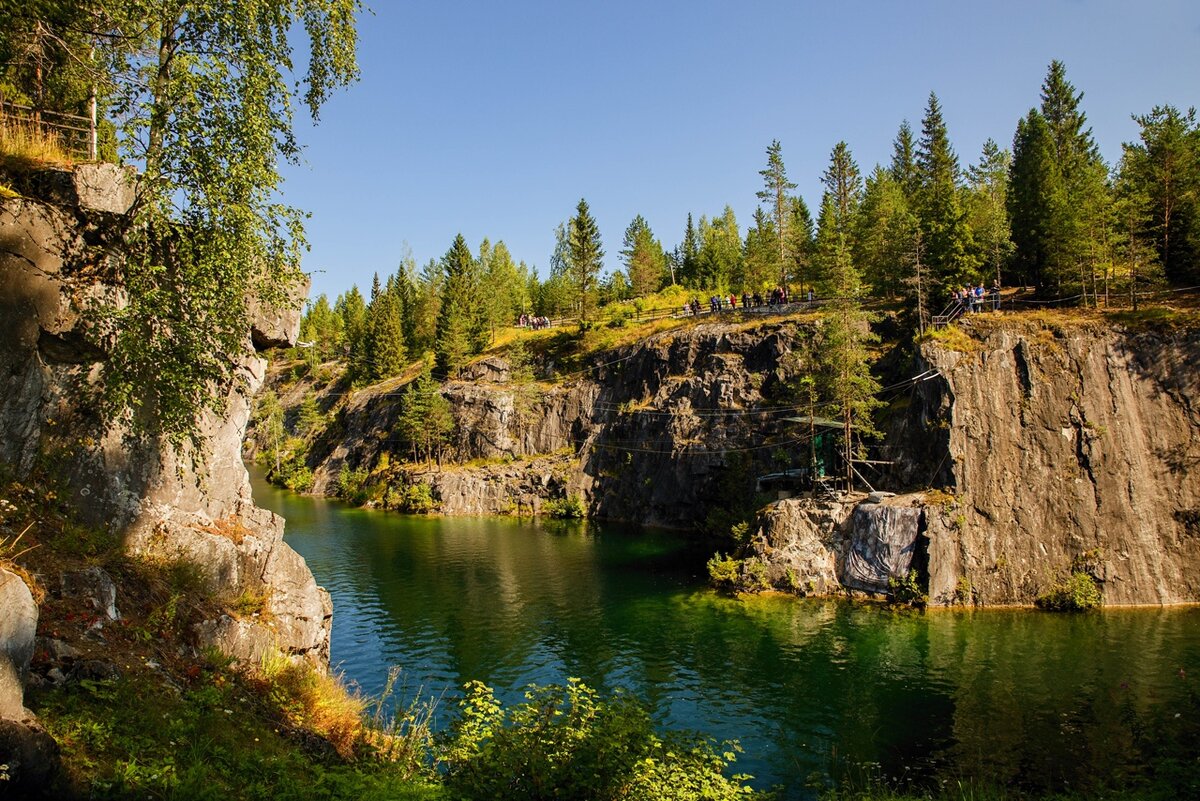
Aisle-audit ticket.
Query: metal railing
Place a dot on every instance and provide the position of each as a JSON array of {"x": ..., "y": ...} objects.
[{"x": 76, "y": 134}]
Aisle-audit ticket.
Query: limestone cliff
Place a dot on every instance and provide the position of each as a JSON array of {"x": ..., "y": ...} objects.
[{"x": 55, "y": 250}]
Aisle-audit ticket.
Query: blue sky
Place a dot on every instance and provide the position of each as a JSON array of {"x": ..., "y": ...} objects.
[{"x": 494, "y": 118}]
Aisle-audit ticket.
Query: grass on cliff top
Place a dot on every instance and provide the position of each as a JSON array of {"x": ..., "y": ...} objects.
[{"x": 24, "y": 147}]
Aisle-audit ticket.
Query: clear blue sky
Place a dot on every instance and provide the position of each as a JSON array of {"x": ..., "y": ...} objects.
[{"x": 494, "y": 118}]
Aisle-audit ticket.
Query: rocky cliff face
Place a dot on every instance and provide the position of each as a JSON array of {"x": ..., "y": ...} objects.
[
  {"x": 166, "y": 505},
  {"x": 645, "y": 434},
  {"x": 1067, "y": 443},
  {"x": 1060, "y": 447}
]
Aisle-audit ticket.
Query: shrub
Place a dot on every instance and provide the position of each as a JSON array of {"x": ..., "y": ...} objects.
[
  {"x": 724, "y": 572},
  {"x": 570, "y": 507},
  {"x": 352, "y": 485},
  {"x": 1077, "y": 593},
  {"x": 907, "y": 590},
  {"x": 564, "y": 742}
]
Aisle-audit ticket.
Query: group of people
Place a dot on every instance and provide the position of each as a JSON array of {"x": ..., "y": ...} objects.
[
  {"x": 974, "y": 299},
  {"x": 716, "y": 303},
  {"x": 535, "y": 323}
]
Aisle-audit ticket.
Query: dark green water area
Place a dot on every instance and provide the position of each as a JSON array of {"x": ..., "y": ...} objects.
[{"x": 816, "y": 691}]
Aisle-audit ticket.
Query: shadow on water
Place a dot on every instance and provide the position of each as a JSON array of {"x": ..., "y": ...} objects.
[{"x": 810, "y": 688}]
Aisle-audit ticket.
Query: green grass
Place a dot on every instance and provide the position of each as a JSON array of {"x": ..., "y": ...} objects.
[{"x": 138, "y": 738}]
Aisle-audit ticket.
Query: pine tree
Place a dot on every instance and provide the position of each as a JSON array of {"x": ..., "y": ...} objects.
[
  {"x": 387, "y": 355},
  {"x": 947, "y": 240},
  {"x": 452, "y": 339},
  {"x": 586, "y": 256},
  {"x": 1163, "y": 169},
  {"x": 987, "y": 208},
  {"x": 845, "y": 330},
  {"x": 643, "y": 257},
  {"x": 775, "y": 193}
]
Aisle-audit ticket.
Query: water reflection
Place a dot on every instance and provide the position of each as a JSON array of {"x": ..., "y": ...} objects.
[{"x": 1013, "y": 696}]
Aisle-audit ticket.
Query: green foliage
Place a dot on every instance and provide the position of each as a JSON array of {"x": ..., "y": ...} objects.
[
  {"x": 458, "y": 324},
  {"x": 426, "y": 421},
  {"x": 643, "y": 256},
  {"x": 414, "y": 499},
  {"x": 565, "y": 742},
  {"x": 1078, "y": 593},
  {"x": 570, "y": 507},
  {"x": 725, "y": 572},
  {"x": 585, "y": 257},
  {"x": 205, "y": 97},
  {"x": 907, "y": 590},
  {"x": 352, "y": 485}
]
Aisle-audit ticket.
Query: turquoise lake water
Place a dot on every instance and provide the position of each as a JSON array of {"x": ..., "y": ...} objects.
[{"x": 810, "y": 688}]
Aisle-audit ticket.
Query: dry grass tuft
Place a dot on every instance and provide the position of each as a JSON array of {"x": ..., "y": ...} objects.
[
  {"x": 23, "y": 144},
  {"x": 312, "y": 700}
]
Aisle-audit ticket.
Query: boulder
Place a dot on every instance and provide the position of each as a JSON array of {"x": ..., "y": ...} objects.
[
  {"x": 18, "y": 630},
  {"x": 30, "y": 758}
]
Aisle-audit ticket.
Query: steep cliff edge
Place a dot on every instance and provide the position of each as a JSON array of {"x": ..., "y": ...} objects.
[
  {"x": 164, "y": 505},
  {"x": 1056, "y": 443},
  {"x": 1065, "y": 442},
  {"x": 644, "y": 433}
]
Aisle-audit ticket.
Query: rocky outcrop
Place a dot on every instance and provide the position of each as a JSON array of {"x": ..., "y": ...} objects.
[
  {"x": 59, "y": 247},
  {"x": 1057, "y": 448},
  {"x": 18, "y": 627},
  {"x": 1077, "y": 442},
  {"x": 29, "y": 755},
  {"x": 652, "y": 428}
]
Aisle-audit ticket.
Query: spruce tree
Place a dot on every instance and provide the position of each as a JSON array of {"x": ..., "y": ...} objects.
[
  {"x": 1060, "y": 201},
  {"x": 586, "y": 255},
  {"x": 904, "y": 162},
  {"x": 452, "y": 339},
  {"x": 938, "y": 211},
  {"x": 837, "y": 221},
  {"x": 775, "y": 194}
]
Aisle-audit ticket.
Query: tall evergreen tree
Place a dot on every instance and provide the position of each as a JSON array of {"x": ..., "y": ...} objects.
[
  {"x": 452, "y": 340},
  {"x": 904, "y": 162},
  {"x": 687, "y": 255},
  {"x": 801, "y": 235},
  {"x": 1060, "y": 201},
  {"x": 987, "y": 208},
  {"x": 760, "y": 255},
  {"x": 884, "y": 235},
  {"x": 1163, "y": 168},
  {"x": 643, "y": 257},
  {"x": 720, "y": 256},
  {"x": 586, "y": 255},
  {"x": 939, "y": 214},
  {"x": 775, "y": 194},
  {"x": 837, "y": 222}
]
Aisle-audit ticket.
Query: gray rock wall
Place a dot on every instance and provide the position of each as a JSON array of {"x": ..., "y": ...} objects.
[
  {"x": 166, "y": 504},
  {"x": 1069, "y": 444}
]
